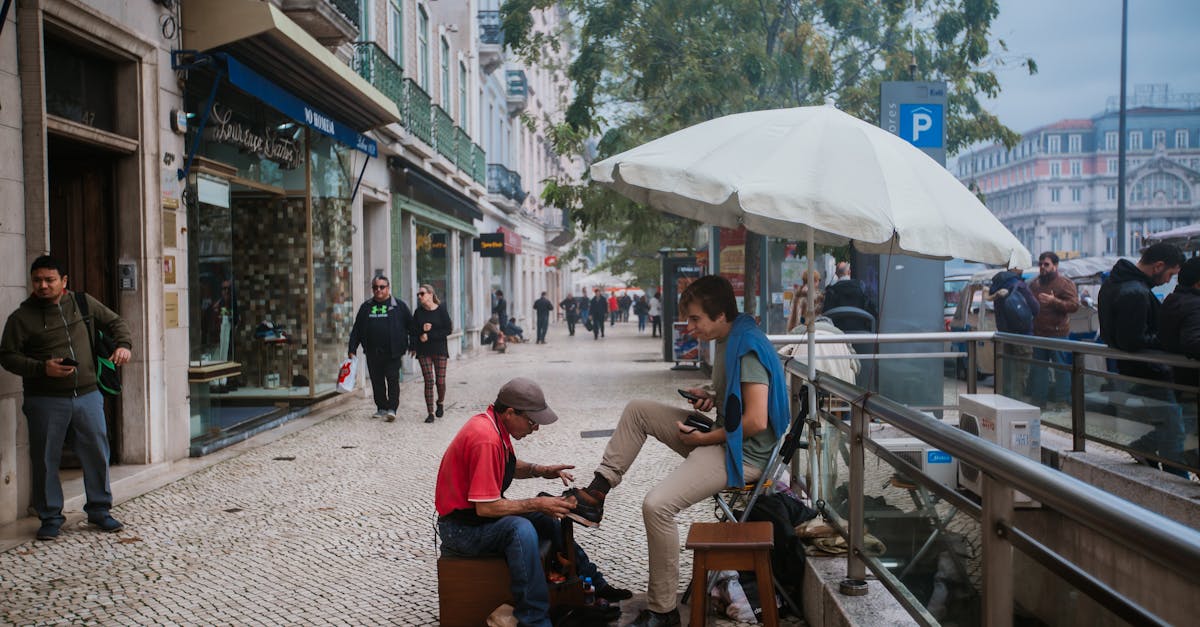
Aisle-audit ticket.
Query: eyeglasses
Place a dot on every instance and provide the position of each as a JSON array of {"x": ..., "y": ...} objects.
[
  {"x": 420, "y": 294},
  {"x": 379, "y": 287},
  {"x": 532, "y": 424}
]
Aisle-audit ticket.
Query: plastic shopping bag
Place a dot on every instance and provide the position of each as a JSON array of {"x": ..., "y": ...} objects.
[{"x": 347, "y": 374}]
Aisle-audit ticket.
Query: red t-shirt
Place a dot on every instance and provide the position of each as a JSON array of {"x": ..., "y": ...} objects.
[{"x": 472, "y": 469}]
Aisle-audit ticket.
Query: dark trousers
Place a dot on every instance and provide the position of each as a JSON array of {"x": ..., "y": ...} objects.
[
  {"x": 50, "y": 418},
  {"x": 385, "y": 380},
  {"x": 571, "y": 320},
  {"x": 542, "y": 325},
  {"x": 655, "y": 326},
  {"x": 597, "y": 327}
]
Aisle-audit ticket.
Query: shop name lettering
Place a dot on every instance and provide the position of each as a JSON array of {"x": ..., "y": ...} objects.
[
  {"x": 486, "y": 245},
  {"x": 318, "y": 121},
  {"x": 267, "y": 145}
]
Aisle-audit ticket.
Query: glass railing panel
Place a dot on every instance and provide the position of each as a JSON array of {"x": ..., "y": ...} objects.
[
  {"x": 1041, "y": 597},
  {"x": 1148, "y": 419}
]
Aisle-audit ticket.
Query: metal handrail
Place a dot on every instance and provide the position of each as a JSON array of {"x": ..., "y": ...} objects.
[{"x": 1167, "y": 542}]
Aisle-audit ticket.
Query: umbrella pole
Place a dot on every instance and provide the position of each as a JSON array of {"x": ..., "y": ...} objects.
[{"x": 814, "y": 487}]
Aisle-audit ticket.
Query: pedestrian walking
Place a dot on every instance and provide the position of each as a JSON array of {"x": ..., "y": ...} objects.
[
  {"x": 641, "y": 309},
  {"x": 654, "y": 310},
  {"x": 599, "y": 312},
  {"x": 542, "y": 307},
  {"x": 584, "y": 305},
  {"x": 614, "y": 309},
  {"x": 570, "y": 307},
  {"x": 382, "y": 328},
  {"x": 1057, "y": 300},
  {"x": 48, "y": 341},
  {"x": 624, "y": 302},
  {"x": 431, "y": 326}
]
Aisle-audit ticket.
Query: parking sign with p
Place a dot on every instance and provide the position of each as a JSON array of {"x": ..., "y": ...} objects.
[{"x": 921, "y": 125}]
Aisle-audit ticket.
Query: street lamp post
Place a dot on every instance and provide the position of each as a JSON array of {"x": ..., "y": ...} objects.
[{"x": 1121, "y": 139}]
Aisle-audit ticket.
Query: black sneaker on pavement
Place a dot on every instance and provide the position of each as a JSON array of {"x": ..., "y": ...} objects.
[
  {"x": 429, "y": 419},
  {"x": 48, "y": 531},
  {"x": 613, "y": 594},
  {"x": 589, "y": 506},
  {"x": 106, "y": 523},
  {"x": 650, "y": 618},
  {"x": 441, "y": 411}
]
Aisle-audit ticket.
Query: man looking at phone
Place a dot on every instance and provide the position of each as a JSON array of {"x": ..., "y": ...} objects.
[
  {"x": 46, "y": 342},
  {"x": 752, "y": 414}
]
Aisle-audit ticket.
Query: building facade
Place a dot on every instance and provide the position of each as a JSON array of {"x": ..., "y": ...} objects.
[
  {"x": 1057, "y": 188},
  {"x": 228, "y": 175}
]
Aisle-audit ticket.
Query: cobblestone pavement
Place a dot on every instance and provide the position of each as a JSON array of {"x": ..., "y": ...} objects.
[{"x": 334, "y": 524}]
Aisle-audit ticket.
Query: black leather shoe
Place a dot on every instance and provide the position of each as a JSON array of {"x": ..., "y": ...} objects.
[
  {"x": 589, "y": 506},
  {"x": 440, "y": 411},
  {"x": 612, "y": 594},
  {"x": 648, "y": 618},
  {"x": 48, "y": 531},
  {"x": 106, "y": 523},
  {"x": 429, "y": 419}
]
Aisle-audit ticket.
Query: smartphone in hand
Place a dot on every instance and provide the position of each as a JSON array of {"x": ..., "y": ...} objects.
[
  {"x": 688, "y": 395},
  {"x": 67, "y": 361}
]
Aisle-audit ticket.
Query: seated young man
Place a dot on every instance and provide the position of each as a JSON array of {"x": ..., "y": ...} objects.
[
  {"x": 752, "y": 414},
  {"x": 474, "y": 518}
]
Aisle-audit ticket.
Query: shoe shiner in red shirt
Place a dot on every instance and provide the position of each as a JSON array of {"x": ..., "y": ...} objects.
[{"x": 474, "y": 518}]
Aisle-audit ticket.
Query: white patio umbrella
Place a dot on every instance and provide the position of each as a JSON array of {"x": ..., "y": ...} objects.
[{"x": 818, "y": 174}]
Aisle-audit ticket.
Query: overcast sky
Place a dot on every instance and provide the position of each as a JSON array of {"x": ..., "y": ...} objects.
[{"x": 1077, "y": 46}]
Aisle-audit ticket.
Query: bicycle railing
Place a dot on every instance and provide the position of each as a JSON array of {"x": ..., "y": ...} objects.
[{"x": 1169, "y": 544}]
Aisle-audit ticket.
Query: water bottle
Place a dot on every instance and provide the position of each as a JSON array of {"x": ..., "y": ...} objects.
[{"x": 589, "y": 592}]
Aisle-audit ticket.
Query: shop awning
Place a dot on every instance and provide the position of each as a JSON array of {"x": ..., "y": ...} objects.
[{"x": 271, "y": 44}]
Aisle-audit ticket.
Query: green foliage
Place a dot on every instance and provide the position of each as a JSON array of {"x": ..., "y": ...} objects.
[{"x": 645, "y": 68}]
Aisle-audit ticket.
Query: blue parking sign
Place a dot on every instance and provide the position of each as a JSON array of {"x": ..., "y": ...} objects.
[{"x": 921, "y": 125}]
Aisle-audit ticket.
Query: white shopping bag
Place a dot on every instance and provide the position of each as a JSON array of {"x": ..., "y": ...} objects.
[{"x": 347, "y": 375}]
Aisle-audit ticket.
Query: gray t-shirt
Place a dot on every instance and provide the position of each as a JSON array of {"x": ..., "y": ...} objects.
[{"x": 756, "y": 451}]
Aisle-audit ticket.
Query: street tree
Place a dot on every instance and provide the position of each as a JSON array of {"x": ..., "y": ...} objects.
[{"x": 645, "y": 68}]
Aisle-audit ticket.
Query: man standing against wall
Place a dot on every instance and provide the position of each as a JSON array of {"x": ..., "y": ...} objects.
[
  {"x": 1057, "y": 300},
  {"x": 382, "y": 328},
  {"x": 47, "y": 341},
  {"x": 500, "y": 309}
]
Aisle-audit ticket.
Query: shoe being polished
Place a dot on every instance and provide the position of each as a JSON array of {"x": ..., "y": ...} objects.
[
  {"x": 613, "y": 594},
  {"x": 650, "y": 618},
  {"x": 589, "y": 506}
]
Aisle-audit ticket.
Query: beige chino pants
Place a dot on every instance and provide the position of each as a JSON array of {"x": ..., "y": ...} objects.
[{"x": 701, "y": 475}]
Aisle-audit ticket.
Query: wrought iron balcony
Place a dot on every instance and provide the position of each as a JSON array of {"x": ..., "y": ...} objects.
[
  {"x": 518, "y": 91},
  {"x": 491, "y": 41},
  {"x": 331, "y": 22},
  {"x": 375, "y": 65},
  {"x": 505, "y": 183},
  {"x": 462, "y": 150},
  {"x": 478, "y": 164},
  {"x": 443, "y": 133},
  {"x": 418, "y": 111}
]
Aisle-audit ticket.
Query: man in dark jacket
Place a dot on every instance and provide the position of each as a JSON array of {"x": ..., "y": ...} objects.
[
  {"x": 570, "y": 307},
  {"x": 500, "y": 309},
  {"x": 1179, "y": 331},
  {"x": 1015, "y": 310},
  {"x": 1129, "y": 322},
  {"x": 542, "y": 307},
  {"x": 47, "y": 342},
  {"x": 846, "y": 291},
  {"x": 598, "y": 311},
  {"x": 382, "y": 327},
  {"x": 1057, "y": 300}
]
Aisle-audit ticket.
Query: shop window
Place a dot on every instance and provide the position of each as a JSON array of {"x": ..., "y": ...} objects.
[{"x": 432, "y": 263}]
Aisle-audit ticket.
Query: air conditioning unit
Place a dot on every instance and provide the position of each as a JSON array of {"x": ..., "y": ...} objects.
[
  {"x": 1004, "y": 422},
  {"x": 935, "y": 464}
]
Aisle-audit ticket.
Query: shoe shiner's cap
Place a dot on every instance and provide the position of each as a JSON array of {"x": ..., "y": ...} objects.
[{"x": 526, "y": 397}]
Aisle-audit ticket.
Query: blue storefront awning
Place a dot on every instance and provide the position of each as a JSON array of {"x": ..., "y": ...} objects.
[{"x": 288, "y": 104}]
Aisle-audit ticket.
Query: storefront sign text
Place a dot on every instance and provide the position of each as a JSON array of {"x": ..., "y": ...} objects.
[{"x": 224, "y": 129}]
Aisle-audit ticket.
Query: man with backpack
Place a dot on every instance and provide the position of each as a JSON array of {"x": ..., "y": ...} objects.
[{"x": 1015, "y": 309}]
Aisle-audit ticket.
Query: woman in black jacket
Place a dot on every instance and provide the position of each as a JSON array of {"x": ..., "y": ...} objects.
[{"x": 431, "y": 327}]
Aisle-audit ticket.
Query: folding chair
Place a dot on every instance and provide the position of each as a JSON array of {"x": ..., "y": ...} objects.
[{"x": 727, "y": 499}]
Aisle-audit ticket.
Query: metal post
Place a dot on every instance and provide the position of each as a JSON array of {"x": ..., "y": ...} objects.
[
  {"x": 1121, "y": 135},
  {"x": 972, "y": 367},
  {"x": 855, "y": 583},
  {"x": 994, "y": 522},
  {"x": 1078, "y": 427},
  {"x": 998, "y": 377}
]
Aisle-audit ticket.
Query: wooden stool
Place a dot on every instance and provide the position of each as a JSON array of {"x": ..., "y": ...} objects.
[{"x": 732, "y": 546}]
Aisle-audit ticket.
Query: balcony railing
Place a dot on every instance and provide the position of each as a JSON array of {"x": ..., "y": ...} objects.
[
  {"x": 478, "y": 164},
  {"x": 349, "y": 10},
  {"x": 504, "y": 182},
  {"x": 375, "y": 65},
  {"x": 417, "y": 111},
  {"x": 489, "y": 28},
  {"x": 518, "y": 86},
  {"x": 443, "y": 133},
  {"x": 462, "y": 150}
]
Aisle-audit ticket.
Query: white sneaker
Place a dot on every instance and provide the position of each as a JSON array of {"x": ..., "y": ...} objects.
[
  {"x": 390, "y": 416},
  {"x": 379, "y": 413}
]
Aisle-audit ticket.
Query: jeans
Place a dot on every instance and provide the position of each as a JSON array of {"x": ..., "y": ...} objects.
[
  {"x": 1167, "y": 418},
  {"x": 516, "y": 538},
  {"x": 597, "y": 327},
  {"x": 1039, "y": 377},
  {"x": 50, "y": 418},
  {"x": 543, "y": 324},
  {"x": 641, "y": 322},
  {"x": 385, "y": 380}
]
